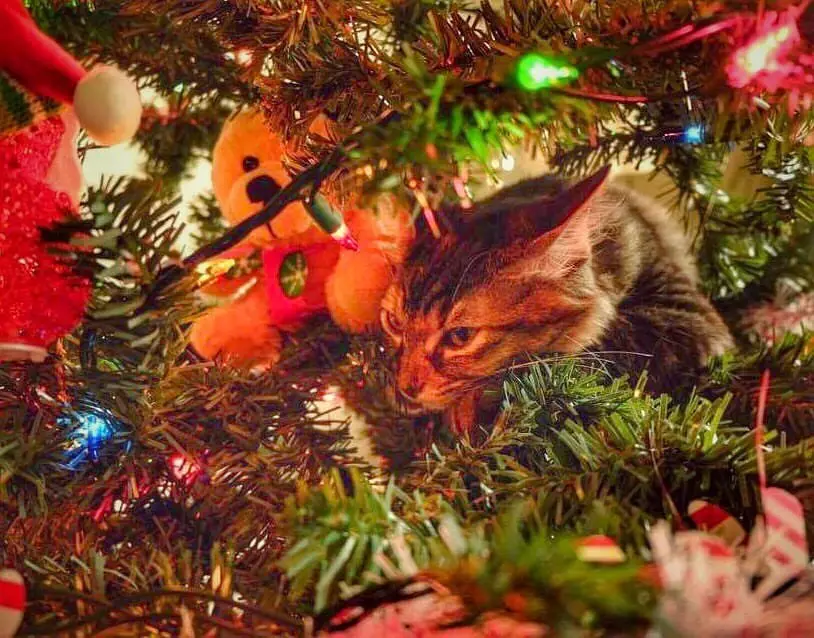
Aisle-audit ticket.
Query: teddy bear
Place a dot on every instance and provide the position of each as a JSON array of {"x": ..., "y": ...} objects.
[{"x": 290, "y": 269}]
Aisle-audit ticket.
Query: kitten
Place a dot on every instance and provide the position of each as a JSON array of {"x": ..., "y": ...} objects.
[{"x": 541, "y": 268}]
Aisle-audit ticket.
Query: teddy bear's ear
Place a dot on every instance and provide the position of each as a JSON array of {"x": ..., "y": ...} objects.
[{"x": 245, "y": 143}]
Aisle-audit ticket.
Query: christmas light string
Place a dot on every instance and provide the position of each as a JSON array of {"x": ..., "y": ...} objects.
[
  {"x": 774, "y": 35},
  {"x": 682, "y": 37},
  {"x": 532, "y": 71}
]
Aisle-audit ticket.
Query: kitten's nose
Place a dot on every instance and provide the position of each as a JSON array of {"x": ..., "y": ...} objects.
[
  {"x": 261, "y": 189},
  {"x": 410, "y": 390}
]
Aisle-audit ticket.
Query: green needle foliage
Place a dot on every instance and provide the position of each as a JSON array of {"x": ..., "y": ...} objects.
[
  {"x": 348, "y": 540},
  {"x": 130, "y": 332},
  {"x": 600, "y": 458},
  {"x": 575, "y": 454},
  {"x": 235, "y": 501}
]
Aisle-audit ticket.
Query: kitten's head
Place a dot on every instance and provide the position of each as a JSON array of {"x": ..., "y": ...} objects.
[{"x": 514, "y": 278}]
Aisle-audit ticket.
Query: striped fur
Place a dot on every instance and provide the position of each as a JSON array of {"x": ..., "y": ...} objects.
[{"x": 616, "y": 276}]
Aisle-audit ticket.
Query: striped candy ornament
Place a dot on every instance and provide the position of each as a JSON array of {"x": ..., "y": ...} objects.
[
  {"x": 12, "y": 602},
  {"x": 717, "y": 521},
  {"x": 783, "y": 543},
  {"x": 600, "y": 549},
  {"x": 706, "y": 594}
]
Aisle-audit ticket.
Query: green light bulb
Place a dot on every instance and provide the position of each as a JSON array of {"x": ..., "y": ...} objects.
[{"x": 535, "y": 71}]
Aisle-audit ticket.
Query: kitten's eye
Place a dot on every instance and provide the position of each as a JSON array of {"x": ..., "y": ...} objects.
[
  {"x": 250, "y": 162},
  {"x": 458, "y": 337},
  {"x": 391, "y": 323}
]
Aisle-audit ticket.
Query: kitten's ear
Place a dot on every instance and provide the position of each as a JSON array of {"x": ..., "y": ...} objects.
[{"x": 549, "y": 215}]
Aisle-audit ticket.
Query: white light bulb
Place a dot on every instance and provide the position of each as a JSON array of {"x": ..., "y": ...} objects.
[{"x": 507, "y": 163}]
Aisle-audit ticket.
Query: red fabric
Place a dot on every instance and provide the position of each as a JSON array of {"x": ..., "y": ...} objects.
[
  {"x": 42, "y": 298},
  {"x": 32, "y": 150},
  {"x": 33, "y": 59},
  {"x": 14, "y": 5}
]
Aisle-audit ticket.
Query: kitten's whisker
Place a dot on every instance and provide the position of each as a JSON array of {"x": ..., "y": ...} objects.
[
  {"x": 586, "y": 355},
  {"x": 475, "y": 384},
  {"x": 580, "y": 346},
  {"x": 558, "y": 357},
  {"x": 584, "y": 367},
  {"x": 592, "y": 356},
  {"x": 637, "y": 354},
  {"x": 537, "y": 361}
]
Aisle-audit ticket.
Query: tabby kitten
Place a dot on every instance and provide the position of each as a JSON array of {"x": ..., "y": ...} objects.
[{"x": 541, "y": 268}]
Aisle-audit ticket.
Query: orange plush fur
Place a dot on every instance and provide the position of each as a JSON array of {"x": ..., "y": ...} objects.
[{"x": 240, "y": 330}]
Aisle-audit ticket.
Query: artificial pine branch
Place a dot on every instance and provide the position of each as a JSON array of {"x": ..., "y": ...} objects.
[
  {"x": 605, "y": 457},
  {"x": 148, "y": 45},
  {"x": 790, "y": 361},
  {"x": 205, "y": 215},
  {"x": 747, "y": 247},
  {"x": 203, "y": 458},
  {"x": 349, "y": 540},
  {"x": 448, "y": 79},
  {"x": 574, "y": 451},
  {"x": 130, "y": 332}
]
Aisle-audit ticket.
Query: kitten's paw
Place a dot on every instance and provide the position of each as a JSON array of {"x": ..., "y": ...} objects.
[{"x": 461, "y": 418}]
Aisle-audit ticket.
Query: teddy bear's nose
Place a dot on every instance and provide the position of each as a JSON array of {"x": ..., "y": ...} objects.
[{"x": 261, "y": 189}]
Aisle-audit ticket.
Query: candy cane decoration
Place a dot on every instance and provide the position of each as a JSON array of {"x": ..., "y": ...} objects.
[
  {"x": 711, "y": 518},
  {"x": 12, "y": 602},
  {"x": 784, "y": 548}
]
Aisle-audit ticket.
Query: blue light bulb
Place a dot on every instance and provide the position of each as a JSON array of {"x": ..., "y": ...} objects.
[
  {"x": 94, "y": 431},
  {"x": 91, "y": 428},
  {"x": 694, "y": 134}
]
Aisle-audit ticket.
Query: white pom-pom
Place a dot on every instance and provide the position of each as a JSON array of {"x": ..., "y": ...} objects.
[{"x": 107, "y": 105}]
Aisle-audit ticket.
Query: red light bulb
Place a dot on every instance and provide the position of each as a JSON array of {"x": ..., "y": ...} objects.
[
  {"x": 764, "y": 55},
  {"x": 183, "y": 469}
]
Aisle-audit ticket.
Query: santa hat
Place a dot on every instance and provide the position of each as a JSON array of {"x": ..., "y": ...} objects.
[{"x": 105, "y": 100}]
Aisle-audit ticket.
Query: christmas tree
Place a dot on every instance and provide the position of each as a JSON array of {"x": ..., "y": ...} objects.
[{"x": 153, "y": 486}]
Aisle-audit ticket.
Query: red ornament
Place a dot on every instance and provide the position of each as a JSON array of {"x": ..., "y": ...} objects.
[
  {"x": 41, "y": 295},
  {"x": 295, "y": 280}
]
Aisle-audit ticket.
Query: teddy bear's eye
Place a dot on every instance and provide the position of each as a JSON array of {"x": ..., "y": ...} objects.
[{"x": 250, "y": 162}]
